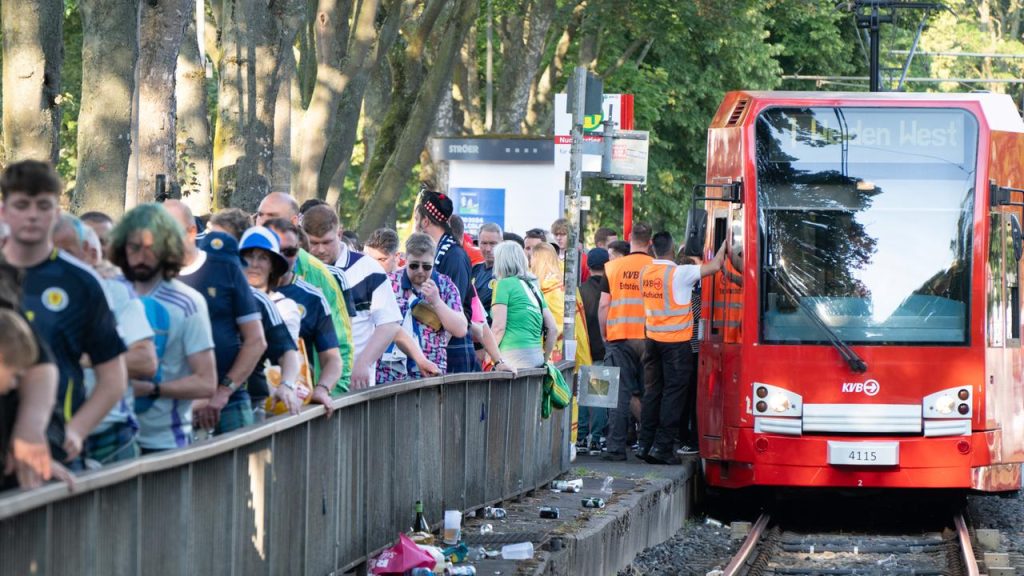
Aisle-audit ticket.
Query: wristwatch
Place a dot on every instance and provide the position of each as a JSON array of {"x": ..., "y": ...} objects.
[{"x": 227, "y": 383}]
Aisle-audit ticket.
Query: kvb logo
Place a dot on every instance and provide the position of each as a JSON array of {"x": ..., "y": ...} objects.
[{"x": 869, "y": 387}]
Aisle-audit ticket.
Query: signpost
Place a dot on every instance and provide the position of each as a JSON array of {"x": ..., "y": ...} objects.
[{"x": 622, "y": 155}]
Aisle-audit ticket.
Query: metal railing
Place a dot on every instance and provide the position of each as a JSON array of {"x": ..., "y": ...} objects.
[{"x": 300, "y": 494}]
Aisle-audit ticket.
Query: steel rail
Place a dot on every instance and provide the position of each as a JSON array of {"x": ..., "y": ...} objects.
[
  {"x": 749, "y": 544},
  {"x": 966, "y": 549}
]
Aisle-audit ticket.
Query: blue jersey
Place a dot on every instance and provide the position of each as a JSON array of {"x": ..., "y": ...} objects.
[
  {"x": 219, "y": 278},
  {"x": 279, "y": 341},
  {"x": 316, "y": 327},
  {"x": 63, "y": 299}
]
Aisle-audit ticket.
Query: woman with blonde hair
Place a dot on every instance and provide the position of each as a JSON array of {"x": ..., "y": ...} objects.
[
  {"x": 546, "y": 266},
  {"x": 520, "y": 318}
]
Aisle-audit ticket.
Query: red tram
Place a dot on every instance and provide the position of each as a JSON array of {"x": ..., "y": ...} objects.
[{"x": 867, "y": 329}]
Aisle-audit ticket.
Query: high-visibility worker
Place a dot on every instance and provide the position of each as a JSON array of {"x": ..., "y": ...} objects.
[
  {"x": 621, "y": 316},
  {"x": 669, "y": 323}
]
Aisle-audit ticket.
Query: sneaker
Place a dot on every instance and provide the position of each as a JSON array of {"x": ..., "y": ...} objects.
[{"x": 686, "y": 450}]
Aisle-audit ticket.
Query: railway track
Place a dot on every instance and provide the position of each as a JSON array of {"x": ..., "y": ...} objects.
[{"x": 777, "y": 549}]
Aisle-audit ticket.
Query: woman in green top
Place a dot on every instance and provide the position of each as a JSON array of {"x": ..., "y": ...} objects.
[{"x": 520, "y": 318}]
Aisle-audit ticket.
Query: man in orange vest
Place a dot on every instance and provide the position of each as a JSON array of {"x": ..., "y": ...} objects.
[
  {"x": 666, "y": 289},
  {"x": 621, "y": 317}
]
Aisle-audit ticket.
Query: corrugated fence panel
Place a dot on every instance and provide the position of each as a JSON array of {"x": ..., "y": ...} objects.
[
  {"x": 117, "y": 529},
  {"x": 23, "y": 542},
  {"x": 322, "y": 495},
  {"x": 297, "y": 495},
  {"x": 288, "y": 490},
  {"x": 477, "y": 414},
  {"x": 431, "y": 460},
  {"x": 453, "y": 420},
  {"x": 73, "y": 531},
  {"x": 353, "y": 475},
  {"x": 254, "y": 506},
  {"x": 497, "y": 438},
  {"x": 163, "y": 546},
  {"x": 213, "y": 502}
]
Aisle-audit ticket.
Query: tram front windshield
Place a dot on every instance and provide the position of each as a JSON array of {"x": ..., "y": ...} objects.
[{"x": 865, "y": 219}]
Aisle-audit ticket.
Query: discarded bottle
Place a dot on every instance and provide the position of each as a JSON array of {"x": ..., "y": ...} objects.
[
  {"x": 548, "y": 512},
  {"x": 519, "y": 551},
  {"x": 606, "y": 487},
  {"x": 567, "y": 485},
  {"x": 486, "y": 529},
  {"x": 477, "y": 554},
  {"x": 495, "y": 513},
  {"x": 462, "y": 571},
  {"x": 420, "y": 524},
  {"x": 593, "y": 502}
]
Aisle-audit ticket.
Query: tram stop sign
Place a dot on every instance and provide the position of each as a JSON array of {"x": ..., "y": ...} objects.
[{"x": 593, "y": 103}]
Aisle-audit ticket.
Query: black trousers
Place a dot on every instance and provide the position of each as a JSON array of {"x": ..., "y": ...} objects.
[{"x": 667, "y": 385}]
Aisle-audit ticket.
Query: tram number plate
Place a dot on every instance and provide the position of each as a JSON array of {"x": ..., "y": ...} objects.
[{"x": 864, "y": 453}]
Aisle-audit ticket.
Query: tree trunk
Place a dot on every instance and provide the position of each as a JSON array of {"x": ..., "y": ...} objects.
[
  {"x": 337, "y": 64},
  {"x": 110, "y": 48},
  {"x": 282, "y": 169},
  {"x": 523, "y": 43},
  {"x": 32, "y": 57},
  {"x": 467, "y": 80},
  {"x": 254, "y": 35},
  {"x": 538, "y": 119},
  {"x": 194, "y": 146},
  {"x": 400, "y": 144},
  {"x": 161, "y": 31}
]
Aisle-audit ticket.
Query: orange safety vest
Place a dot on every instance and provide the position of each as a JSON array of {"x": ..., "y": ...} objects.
[
  {"x": 666, "y": 319},
  {"x": 728, "y": 304},
  {"x": 626, "y": 309}
]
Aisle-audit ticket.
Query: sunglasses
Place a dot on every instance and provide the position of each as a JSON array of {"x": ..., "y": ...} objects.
[
  {"x": 290, "y": 252},
  {"x": 414, "y": 266}
]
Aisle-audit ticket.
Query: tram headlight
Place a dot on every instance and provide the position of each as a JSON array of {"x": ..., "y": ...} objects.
[
  {"x": 775, "y": 401},
  {"x": 779, "y": 403},
  {"x": 949, "y": 403}
]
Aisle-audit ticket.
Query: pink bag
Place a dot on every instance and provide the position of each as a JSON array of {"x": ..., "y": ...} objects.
[{"x": 402, "y": 557}]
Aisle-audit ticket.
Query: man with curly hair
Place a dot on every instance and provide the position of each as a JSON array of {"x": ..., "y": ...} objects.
[{"x": 148, "y": 245}]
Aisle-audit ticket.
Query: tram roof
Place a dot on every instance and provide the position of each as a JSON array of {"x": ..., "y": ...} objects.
[{"x": 999, "y": 109}]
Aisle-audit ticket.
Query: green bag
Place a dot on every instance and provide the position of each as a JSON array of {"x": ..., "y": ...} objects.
[{"x": 556, "y": 388}]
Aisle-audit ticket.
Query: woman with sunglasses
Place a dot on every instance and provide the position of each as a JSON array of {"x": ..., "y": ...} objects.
[
  {"x": 265, "y": 266},
  {"x": 431, "y": 310}
]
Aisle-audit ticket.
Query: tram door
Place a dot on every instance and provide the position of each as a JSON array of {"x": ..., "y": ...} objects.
[
  {"x": 711, "y": 413},
  {"x": 1004, "y": 394}
]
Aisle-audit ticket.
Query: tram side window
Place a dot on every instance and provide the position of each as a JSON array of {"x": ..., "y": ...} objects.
[
  {"x": 721, "y": 227},
  {"x": 1012, "y": 268},
  {"x": 996, "y": 298}
]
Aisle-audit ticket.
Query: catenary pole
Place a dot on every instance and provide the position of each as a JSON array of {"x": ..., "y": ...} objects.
[{"x": 572, "y": 208}]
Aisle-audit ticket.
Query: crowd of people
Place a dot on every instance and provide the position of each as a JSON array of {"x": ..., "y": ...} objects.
[{"x": 122, "y": 337}]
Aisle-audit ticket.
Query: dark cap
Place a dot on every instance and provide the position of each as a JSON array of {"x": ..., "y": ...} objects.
[{"x": 597, "y": 258}]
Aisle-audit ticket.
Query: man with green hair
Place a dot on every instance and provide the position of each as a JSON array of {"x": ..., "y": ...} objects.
[
  {"x": 148, "y": 245},
  {"x": 281, "y": 205}
]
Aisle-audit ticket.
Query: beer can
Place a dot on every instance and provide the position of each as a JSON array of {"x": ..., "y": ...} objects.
[
  {"x": 593, "y": 502},
  {"x": 548, "y": 512}
]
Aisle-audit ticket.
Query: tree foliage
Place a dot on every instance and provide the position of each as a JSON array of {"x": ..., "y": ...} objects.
[{"x": 358, "y": 77}]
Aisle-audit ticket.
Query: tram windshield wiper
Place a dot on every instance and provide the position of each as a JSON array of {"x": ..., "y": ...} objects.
[{"x": 852, "y": 359}]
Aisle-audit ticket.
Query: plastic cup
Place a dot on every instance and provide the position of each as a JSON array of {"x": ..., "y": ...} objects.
[{"x": 518, "y": 551}]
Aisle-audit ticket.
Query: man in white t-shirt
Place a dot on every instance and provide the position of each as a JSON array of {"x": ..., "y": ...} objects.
[
  {"x": 376, "y": 316},
  {"x": 669, "y": 324}
]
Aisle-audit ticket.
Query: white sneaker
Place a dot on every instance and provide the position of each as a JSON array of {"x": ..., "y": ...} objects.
[{"x": 685, "y": 450}]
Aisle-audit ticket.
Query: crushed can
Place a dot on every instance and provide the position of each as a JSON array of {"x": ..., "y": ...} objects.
[
  {"x": 593, "y": 502},
  {"x": 462, "y": 571},
  {"x": 549, "y": 512},
  {"x": 495, "y": 513}
]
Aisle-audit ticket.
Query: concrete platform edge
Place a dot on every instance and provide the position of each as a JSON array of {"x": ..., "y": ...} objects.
[{"x": 608, "y": 543}]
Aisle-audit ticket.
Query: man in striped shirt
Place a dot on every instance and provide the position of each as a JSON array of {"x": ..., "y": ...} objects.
[
  {"x": 368, "y": 291},
  {"x": 149, "y": 247}
]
